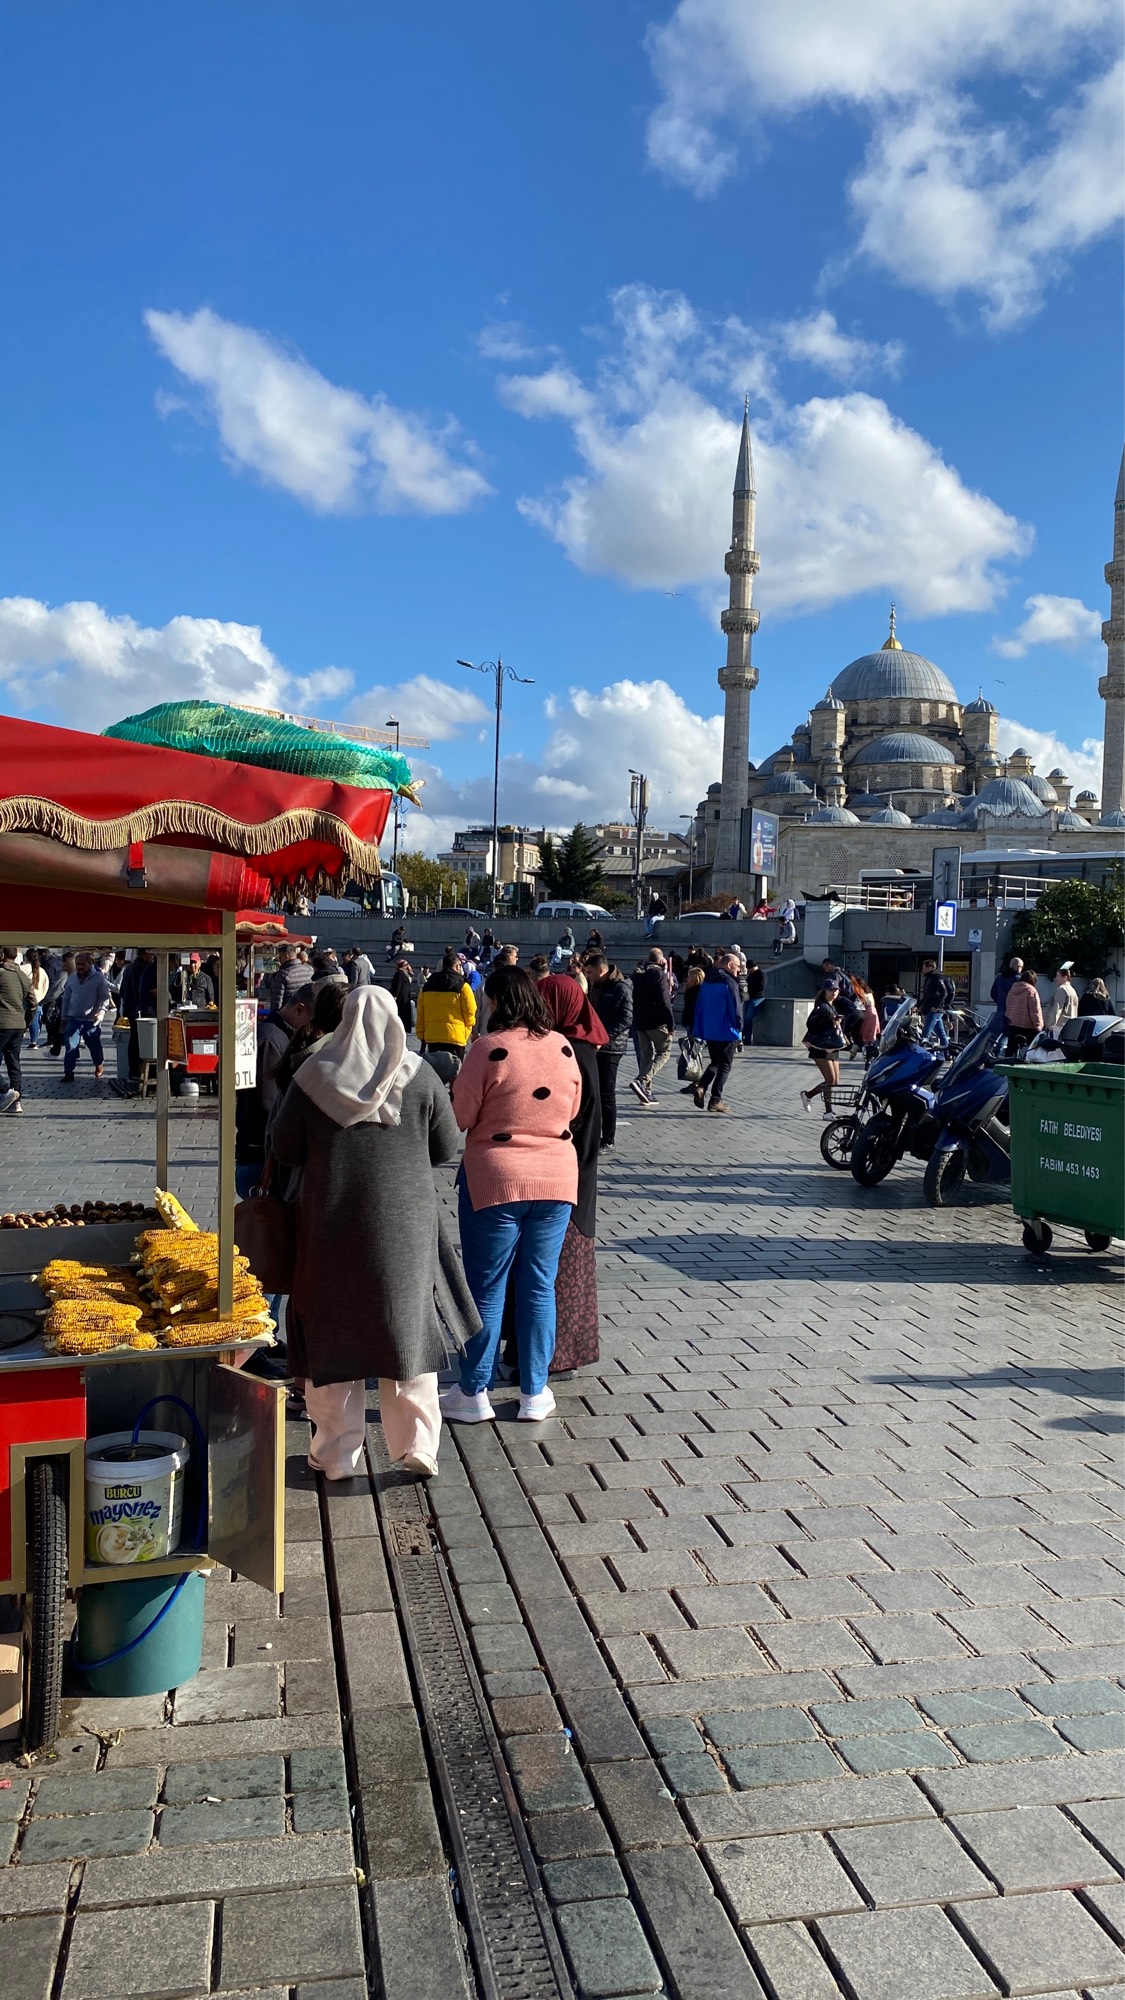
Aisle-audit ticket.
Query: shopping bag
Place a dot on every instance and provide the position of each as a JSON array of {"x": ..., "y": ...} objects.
[{"x": 694, "y": 1057}]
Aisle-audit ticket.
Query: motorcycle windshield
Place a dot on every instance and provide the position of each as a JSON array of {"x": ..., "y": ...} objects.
[
  {"x": 895, "y": 1021},
  {"x": 976, "y": 1054}
]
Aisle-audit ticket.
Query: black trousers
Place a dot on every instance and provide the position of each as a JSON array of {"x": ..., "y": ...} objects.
[
  {"x": 609, "y": 1062},
  {"x": 718, "y": 1069},
  {"x": 10, "y": 1041}
]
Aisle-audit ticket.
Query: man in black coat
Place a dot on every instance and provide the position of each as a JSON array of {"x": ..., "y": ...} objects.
[
  {"x": 611, "y": 998},
  {"x": 653, "y": 1023}
]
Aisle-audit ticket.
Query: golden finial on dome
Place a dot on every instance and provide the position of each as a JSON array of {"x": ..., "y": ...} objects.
[{"x": 890, "y": 643}]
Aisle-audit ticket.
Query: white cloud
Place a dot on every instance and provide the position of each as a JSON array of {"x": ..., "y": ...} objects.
[
  {"x": 849, "y": 497},
  {"x": 423, "y": 706},
  {"x": 92, "y": 667},
  {"x": 331, "y": 448},
  {"x": 1049, "y": 753},
  {"x": 944, "y": 202},
  {"x": 818, "y": 339},
  {"x": 1064, "y": 622}
]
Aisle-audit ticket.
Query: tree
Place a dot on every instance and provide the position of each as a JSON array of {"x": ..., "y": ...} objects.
[
  {"x": 571, "y": 869},
  {"x": 1084, "y": 921},
  {"x": 431, "y": 882}
]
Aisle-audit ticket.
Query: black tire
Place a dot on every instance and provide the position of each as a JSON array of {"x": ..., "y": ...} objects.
[
  {"x": 1097, "y": 1241},
  {"x": 874, "y": 1153},
  {"x": 1038, "y": 1241},
  {"x": 47, "y": 1607},
  {"x": 943, "y": 1176},
  {"x": 836, "y": 1142}
]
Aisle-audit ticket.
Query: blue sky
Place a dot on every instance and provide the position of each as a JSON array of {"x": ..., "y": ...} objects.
[{"x": 339, "y": 343}]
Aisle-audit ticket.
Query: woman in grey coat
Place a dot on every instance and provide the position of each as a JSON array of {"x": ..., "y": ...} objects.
[{"x": 375, "y": 1277}]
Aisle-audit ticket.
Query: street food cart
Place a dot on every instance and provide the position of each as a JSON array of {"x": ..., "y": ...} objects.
[{"x": 115, "y": 843}]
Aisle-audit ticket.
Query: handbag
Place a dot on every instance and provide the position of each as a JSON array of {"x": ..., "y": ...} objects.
[
  {"x": 694, "y": 1058},
  {"x": 265, "y": 1229}
]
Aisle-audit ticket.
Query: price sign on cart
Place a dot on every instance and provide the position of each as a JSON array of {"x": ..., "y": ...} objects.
[{"x": 245, "y": 1044}]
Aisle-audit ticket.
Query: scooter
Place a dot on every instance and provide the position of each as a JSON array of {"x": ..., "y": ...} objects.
[
  {"x": 897, "y": 1082},
  {"x": 971, "y": 1107}
]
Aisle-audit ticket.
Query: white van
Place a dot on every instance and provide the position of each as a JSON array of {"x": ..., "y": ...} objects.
[{"x": 582, "y": 913}]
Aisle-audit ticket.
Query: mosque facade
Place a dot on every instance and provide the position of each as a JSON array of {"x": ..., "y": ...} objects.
[{"x": 890, "y": 762}]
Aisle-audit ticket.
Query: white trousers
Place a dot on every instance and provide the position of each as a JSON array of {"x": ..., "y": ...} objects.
[{"x": 338, "y": 1410}]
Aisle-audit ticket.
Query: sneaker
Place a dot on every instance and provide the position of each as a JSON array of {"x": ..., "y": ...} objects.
[
  {"x": 458, "y": 1408},
  {"x": 9, "y": 1098},
  {"x": 698, "y": 1097},
  {"x": 418, "y": 1463},
  {"x": 639, "y": 1091},
  {"x": 533, "y": 1409},
  {"x": 99, "y": 1069},
  {"x": 65, "y": 1078},
  {"x": 722, "y": 1109},
  {"x": 608, "y": 1146},
  {"x": 16, "y": 1110},
  {"x": 806, "y": 1097}
]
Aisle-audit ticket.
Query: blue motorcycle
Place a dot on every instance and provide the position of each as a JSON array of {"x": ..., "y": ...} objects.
[
  {"x": 897, "y": 1081},
  {"x": 971, "y": 1109}
]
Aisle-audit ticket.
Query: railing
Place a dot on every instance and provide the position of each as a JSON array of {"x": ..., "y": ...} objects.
[{"x": 879, "y": 895}]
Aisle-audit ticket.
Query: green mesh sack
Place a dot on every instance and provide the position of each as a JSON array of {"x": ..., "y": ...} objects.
[{"x": 211, "y": 729}]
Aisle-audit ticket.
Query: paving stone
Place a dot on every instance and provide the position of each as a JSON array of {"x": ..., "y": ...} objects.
[
  {"x": 781, "y": 1763},
  {"x": 756, "y": 1726},
  {"x": 866, "y": 1718},
  {"x": 956, "y": 1711},
  {"x": 85, "y": 1835},
  {"x": 1004, "y": 1742},
  {"x": 28, "y": 1949},
  {"x": 584, "y": 1881},
  {"x": 403, "y": 1840},
  {"x": 406, "y": 1912},
  {"x": 232, "y": 1819},
  {"x": 797, "y": 1875},
  {"x": 613, "y": 1612},
  {"x": 1041, "y": 1943},
  {"x": 813, "y": 1642},
  {"x": 832, "y": 1558},
  {"x": 14, "y": 1800},
  {"x": 568, "y": 1836},
  {"x": 810, "y": 1807},
  {"x": 726, "y": 1604},
  {"x": 318, "y": 1770},
  {"x": 1094, "y": 1732},
  {"x": 230, "y": 1694},
  {"x": 547, "y": 1773},
  {"x": 1033, "y": 1848},
  {"x": 104, "y": 1713},
  {"x": 686, "y": 1773},
  {"x": 673, "y": 1734},
  {"x": 224, "y": 1778},
  {"x": 34, "y": 1891},
  {"x": 793, "y": 1967},
  {"x": 1108, "y": 1900},
  {"x": 1005, "y": 1630},
  {"x": 155, "y": 1952},
  {"x": 1104, "y": 1821},
  {"x": 601, "y": 1723},
  {"x": 1075, "y": 1697},
  {"x": 916, "y": 1863},
  {"x": 90, "y": 1791},
  {"x": 914, "y": 1750},
  {"x": 696, "y": 1939},
  {"x": 1049, "y": 1781},
  {"x": 307, "y": 1934},
  {"x": 820, "y": 1597},
  {"x": 874, "y": 1949},
  {"x": 700, "y": 1655},
  {"x": 504, "y": 1649},
  {"x": 637, "y": 1805},
  {"x": 607, "y": 1948}
]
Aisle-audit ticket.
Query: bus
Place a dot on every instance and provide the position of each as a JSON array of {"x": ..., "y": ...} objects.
[{"x": 387, "y": 897}]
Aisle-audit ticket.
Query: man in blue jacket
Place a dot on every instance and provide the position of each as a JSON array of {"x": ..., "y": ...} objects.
[{"x": 718, "y": 1022}]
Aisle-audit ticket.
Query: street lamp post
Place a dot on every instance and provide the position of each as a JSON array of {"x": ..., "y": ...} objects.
[
  {"x": 638, "y": 806},
  {"x": 690, "y": 817},
  {"x": 392, "y": 723},
  {"x": 499, "y": 670}
]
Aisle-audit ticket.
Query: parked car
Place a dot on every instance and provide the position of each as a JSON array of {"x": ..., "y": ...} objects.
[{"x": 573, "y": 912}]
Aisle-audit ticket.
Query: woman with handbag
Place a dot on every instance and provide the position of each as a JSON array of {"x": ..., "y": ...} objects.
[
  {"x": 824, "y": 1038},
  {"x": 374, "y": 1277}
]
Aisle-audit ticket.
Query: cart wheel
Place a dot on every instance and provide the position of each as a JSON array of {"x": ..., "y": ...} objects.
[
  {"x": 43, "y": 1674},
  {"x": 837, "y": 1140},
  {"x": 1038, "y": 1241},
  {"x": 1095, "y": 1241}
]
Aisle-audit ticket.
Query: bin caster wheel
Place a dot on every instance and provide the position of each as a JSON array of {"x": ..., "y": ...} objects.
[
  {"x": 47, "y": 1605},
  {"x": 1095, "y": 1241},
  {"x": 1038, "y": 1241}
]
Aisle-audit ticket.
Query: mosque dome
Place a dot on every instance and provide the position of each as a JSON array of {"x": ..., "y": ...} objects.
[
  {"x": 892, "y": 675},
  {"x": 771, "y": 762},
  {"x": 944, "y": 816},
  {"x": 980, "y": 706},
  {"x": 1008, "y": 796},
  {"x": 1086, "y": 799},
  {"x": 787, "y": 784},
  {"x": 889, "y": 816},
  {"x": 1058, "y": 773},
  {"x": 834, "y": 816},
  {"x": 828, "y": 701},
  {"x": 1043, "y": 790},
  {"x": 865, "y": 802},
  {"x": 905, "y": 746},
  {"x": 1075, "y": 822},
  {"x": 1116, "y": 819}
]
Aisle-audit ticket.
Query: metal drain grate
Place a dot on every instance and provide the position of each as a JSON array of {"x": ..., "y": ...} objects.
[{"x": 515, "y": 1948}]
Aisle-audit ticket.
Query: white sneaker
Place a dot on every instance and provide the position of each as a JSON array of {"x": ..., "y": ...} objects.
[
  {"x": 458, "y": 1408},
  {"x": 9, "y": 1098},
  {"x": 417, "y": 1462},
  {"x": 533, "y": 1409},
  {"x": 806, "y": 1096}
]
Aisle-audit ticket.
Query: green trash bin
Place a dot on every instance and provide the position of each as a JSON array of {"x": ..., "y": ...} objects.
[{"x": 1068, "y": 1149}]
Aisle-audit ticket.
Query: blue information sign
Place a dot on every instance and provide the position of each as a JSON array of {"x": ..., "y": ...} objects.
[{"x": 945, "y": 920}]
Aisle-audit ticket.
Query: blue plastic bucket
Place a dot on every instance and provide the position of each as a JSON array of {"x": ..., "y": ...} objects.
[{"x": 111, "y": 1615}]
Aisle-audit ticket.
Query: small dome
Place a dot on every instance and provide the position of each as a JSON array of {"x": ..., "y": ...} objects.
[
  {"x": 980, "y": 706},
  {"x": 828, "y": 701},
  {"x": 945, "y": 816},
  {"x": 888, "y": 816},
  {"x": 866, "y": 802},
  {"x": 905, "y": 746},
  {"x": 1116, "y": 819},
  {"x": 1086, "y": 799},
  {"x": 713, "y": 791},
  {"x": 1042, "y": 790},
  {"x": 786, "y": 784},
  {"x": 1075, "y": 821},
  {"x": 1008, "y": 796},
  {"x": 833, "y": 816},
  {"x": 1056, "y": 773}
]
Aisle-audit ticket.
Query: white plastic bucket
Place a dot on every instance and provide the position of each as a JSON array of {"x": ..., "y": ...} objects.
[{"x": 134, "y": 1496}]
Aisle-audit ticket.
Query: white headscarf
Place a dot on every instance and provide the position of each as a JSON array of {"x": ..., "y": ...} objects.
[{"x": 358, "y": 1073}]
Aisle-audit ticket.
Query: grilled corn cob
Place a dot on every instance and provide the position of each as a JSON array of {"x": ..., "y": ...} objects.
[
  {"x": 215, "y": 1332},
  {"x": 61, "y": 1268},
  {"x": 92, "y": 1316},
  {"x": 173, "y": 1211},
  {"x": 76, "y": 1340}
]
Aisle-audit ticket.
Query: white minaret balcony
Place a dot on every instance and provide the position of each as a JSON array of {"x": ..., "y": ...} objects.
[
  {"x": 741, "y": 562},
  {"x": 740, "y": 618}
]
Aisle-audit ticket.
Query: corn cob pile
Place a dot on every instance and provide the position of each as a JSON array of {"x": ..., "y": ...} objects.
[
  {"x": 180, "y": 1273},
  {"x": 93, "y": 1307}
]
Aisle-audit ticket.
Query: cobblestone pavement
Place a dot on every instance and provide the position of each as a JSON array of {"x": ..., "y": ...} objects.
[{"x": 821, "y": 1570}]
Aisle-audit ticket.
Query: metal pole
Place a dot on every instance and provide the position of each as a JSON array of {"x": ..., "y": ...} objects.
[
  {"x": 228, "y": 983},
  {"x": 496, "y": 789},
  {"x": 397, "y": 727},
  {"x": 163, "y": 1092}
]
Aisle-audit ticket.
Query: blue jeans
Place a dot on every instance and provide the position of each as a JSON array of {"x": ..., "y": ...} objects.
[
  {"x": 78, "y": 1032},
  {"x": 35, "y": 1028},
  {"x": 934, "y": 1024},
  {"x": 749, "y": 1012},
  {"x": 525, "y": 1237}
]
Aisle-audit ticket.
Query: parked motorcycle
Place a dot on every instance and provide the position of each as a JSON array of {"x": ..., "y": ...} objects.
[
  {"x": 897, "y": 1084},
  {"x": 971, "y": 1110}
]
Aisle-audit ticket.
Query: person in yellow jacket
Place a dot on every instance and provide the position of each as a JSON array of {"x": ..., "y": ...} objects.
[{"x": 446, "y": 1009}]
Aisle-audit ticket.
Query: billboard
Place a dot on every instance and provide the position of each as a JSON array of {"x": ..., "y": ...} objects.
[{"x": 760, "y": 847}]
